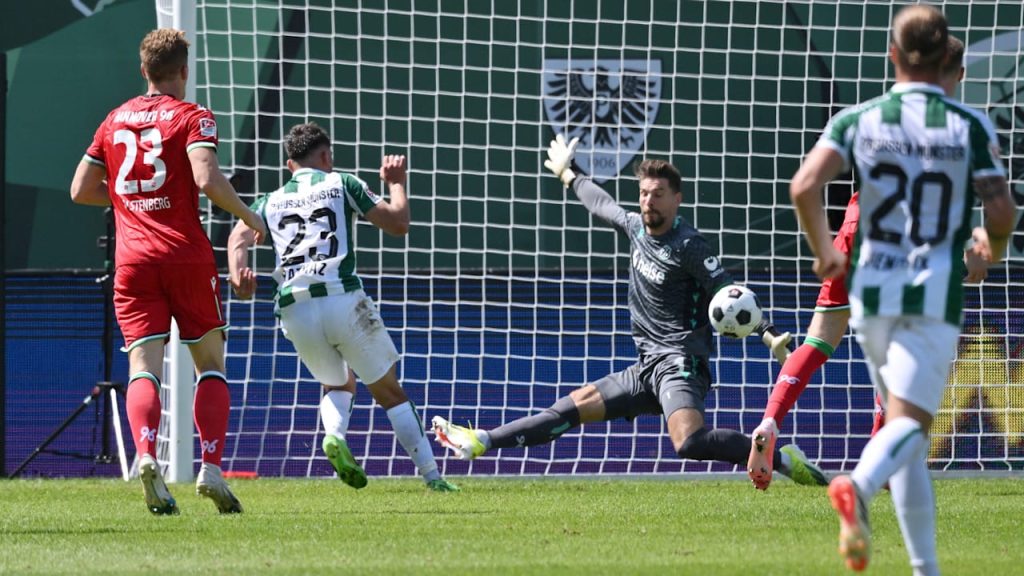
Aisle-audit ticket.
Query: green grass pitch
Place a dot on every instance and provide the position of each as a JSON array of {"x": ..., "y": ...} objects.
[{"x": 494, "y": 526}]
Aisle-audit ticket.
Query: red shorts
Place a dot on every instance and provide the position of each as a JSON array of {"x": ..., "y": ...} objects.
[
  {"x": 833, "y": 295},
  {"x": 146, "y": 296}
]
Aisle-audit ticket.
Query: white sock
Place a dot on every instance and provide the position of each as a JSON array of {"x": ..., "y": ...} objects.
[
  {"x": 336, "y": 412},
  {"x": 899, "y": 441},
  {"x": 409, "y": 431},
  {"x": 914, "y": 501}
]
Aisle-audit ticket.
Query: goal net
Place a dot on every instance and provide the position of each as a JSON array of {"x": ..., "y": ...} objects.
[{"x": 506, "y": 294}]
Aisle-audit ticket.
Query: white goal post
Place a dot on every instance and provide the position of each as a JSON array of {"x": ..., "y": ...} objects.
[
  {"x": 176, "y": 431},
  {"x": 506, "y": 294}
]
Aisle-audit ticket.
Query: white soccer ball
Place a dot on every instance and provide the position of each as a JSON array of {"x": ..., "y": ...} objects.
[{"x": 735, "y": 311}]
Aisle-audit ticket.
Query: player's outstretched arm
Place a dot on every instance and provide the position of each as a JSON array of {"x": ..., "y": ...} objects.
[
  {"x": 594, "y": 198},
  {"x": 88, "y": 187},
  {"x": 241, "y": 277},
  {"x": 560, "y": 154},
  {"x": 392, "y": 216},
  {"x": 215, "y": 185}
]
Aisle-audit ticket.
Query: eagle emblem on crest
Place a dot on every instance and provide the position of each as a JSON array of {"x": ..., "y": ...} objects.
[{"x": 609, "y": 104}]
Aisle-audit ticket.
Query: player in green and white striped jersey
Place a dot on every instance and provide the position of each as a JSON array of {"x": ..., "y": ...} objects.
[
  {"x": 324, "y": 311},
  {"x": 921, "y": 159}
]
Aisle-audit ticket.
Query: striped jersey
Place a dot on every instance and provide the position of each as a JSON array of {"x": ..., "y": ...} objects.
[
  {"x": 311, "y": 221},
  {"x": 915, "y": 153}
]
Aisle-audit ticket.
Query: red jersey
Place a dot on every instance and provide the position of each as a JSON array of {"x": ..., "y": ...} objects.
[{"x": 144, "y": 145}]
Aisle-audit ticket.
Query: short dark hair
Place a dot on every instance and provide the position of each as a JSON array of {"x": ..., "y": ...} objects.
[
  {"x": 921, "y": 34},
  {"x": 955, "y": 55},
  {"x": 656, "y": 168},
  {"x": 304, "y": 139}
]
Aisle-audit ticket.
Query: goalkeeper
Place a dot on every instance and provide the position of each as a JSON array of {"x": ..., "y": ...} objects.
[
  {"x": 673, "y": 275},
  {"x": 320, "y": 299}
]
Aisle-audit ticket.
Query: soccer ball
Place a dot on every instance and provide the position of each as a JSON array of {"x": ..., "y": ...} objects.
[{"x": 735, "y": 311}]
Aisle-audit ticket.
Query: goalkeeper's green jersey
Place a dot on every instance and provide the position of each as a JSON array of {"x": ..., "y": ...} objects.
[
  {"x": 915, "y": 153},
  {"x": 311, "y": 220}
]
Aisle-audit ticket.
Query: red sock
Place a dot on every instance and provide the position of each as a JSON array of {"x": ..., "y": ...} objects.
[
  {"x": 879, "y": 416},
  {"x": 142, "y": 403},
  {"x": 211, "y": 409},
  {"x": 793, "y": 377}
]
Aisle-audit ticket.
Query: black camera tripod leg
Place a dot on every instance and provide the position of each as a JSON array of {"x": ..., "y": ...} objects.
[{"x": 53, "y": 436}]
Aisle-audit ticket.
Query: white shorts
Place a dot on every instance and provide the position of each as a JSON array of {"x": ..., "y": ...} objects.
[
  {"x": 332, "y": 332},
  {"x": 908, "y": 356}
]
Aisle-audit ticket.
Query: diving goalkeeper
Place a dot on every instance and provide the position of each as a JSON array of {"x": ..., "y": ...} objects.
[{"x": 673, "y": 276}]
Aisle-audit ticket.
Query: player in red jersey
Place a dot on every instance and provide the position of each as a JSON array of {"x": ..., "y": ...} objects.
[
  {"x": 831, "y": 318},
  {"x": 149, "y": 159}
]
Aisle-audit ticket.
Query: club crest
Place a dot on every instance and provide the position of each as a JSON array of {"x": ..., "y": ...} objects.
[{"x": 609, "y": 104}]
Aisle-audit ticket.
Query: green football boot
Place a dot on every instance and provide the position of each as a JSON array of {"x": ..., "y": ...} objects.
[
  {"x": 345, "y": 465},
  {"x": 442, "y": 485},
  {"x": 801, "y": 470}
]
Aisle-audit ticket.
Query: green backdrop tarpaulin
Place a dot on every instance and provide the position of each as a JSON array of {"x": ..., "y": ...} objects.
[
  {"x": 61, "y": 86},
  {"x": 746, "y": 88}
]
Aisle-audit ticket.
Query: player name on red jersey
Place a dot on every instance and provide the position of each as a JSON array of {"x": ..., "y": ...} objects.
[
  {"x": 148, "y": 204},
  {"x": 143, "y": 116}
]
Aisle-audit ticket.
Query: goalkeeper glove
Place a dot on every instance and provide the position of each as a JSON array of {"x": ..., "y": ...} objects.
[
  {"x": 777, "y": 342},
  {"x": 560, "y": 158}
]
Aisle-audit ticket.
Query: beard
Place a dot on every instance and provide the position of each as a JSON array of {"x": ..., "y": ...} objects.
[{"x": 653, "y": 219}]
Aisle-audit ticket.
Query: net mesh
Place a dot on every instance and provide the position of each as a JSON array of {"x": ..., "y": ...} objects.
[{"x": 506, "y": 294}]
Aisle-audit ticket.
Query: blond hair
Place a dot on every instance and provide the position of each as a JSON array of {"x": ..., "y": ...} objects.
[{"x": 163, "y": 52}]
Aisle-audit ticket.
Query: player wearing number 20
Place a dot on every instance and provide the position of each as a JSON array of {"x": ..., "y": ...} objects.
[
  {"x": 149, "y": 159},
  {"x": 320, "y": 299},
  {"x": 921, "y": 159}
]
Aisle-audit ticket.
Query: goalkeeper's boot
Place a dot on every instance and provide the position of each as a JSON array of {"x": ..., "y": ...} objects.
[
  {"x": 158, "y": 497},
  {"x": 345, "y": 465},
  {"x": 762, "y": 451},
  {"x": 461, "y": 440},
  {"x": 854, "y": 529},
  {"x": 212, "y": 485},
  {"x": 442, "y": 485},
  {"x": 801, "y": 470}
]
